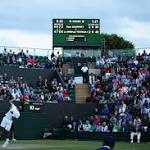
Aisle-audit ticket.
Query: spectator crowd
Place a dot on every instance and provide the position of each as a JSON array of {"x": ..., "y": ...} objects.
[
  {"x": 44, "y": 90},
  {"x": 124, "y": 82},
  {"x": 26, "y": 60},
  {"x": 107, "y": 120}
]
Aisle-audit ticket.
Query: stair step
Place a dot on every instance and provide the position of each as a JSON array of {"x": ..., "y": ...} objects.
[{"x": 82, "y": 92}]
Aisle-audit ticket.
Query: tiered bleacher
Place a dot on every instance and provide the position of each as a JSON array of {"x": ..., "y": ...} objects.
[
  {"x": 123, "y": 82},
  {"x": 46, "y": 90}
]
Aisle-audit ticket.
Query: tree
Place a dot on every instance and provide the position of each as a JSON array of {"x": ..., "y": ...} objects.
[{"x": 113, "y": 41}]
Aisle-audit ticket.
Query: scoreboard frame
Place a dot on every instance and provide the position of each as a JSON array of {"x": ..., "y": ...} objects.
[{"x": 76, "y": 32}]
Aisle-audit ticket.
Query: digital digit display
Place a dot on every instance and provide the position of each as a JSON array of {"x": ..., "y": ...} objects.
[{"x": 76, "y": 32}]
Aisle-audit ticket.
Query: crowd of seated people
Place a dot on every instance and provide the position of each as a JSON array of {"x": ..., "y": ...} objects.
[
  {"x": 26, "y": 60},
  {"x": 104, "y": 120},
  {"x": 14, "y": 89},
  {"x": 125, "y": 82},
  {"x": 44, "y": 91}
]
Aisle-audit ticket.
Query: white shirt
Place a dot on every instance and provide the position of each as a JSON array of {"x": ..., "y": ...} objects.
[
  {"x": 84, "y": 69},
  {"x": 13, "y": 112},
  {"x": 104, "y": 129},
  {"x": 86, "y": 127},
  {"x": 9, "y": 115},
  {"x": 91, "y": 79},
  {"x": 136, "y": 62}
]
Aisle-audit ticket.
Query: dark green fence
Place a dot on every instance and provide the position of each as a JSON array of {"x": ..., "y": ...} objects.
[
  {"x": 36, "y": 118},
  {"x": 31, "y": 125},
  {"x": 118, "y": 136}
]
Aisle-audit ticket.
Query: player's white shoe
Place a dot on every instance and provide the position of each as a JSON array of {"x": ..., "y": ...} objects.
[
  {"x": 131, "y": 141},
  {"x": 14, "y": 140},
  {"x": 5, "y": 144}
]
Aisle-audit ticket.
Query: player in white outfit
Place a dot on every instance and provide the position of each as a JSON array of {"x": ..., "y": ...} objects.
[{"x": 7, "y": 121}]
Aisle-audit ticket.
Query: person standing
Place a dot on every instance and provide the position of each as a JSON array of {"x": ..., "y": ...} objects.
[
  {"x": 84, "y": 70},
  {"x": 7, "y": 121}
]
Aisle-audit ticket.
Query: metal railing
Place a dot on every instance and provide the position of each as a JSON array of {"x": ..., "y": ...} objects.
[
  {"x": 74, "y": 52},
  {"x": 31, "y": 51}
]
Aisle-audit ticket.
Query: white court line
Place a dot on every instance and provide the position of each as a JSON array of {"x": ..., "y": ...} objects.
[{"x": 38, "y": 146}]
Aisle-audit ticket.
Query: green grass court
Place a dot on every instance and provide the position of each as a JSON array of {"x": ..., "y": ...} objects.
[{"x": 70, "y": 145}]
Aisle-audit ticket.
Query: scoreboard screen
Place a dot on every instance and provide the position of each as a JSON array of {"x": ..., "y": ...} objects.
[{"x": 76, "y": 32}]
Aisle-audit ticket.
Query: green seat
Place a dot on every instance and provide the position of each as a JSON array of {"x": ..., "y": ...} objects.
[
  {"x": 68, "y": 59},
  {"x": 93, "y": 59},
  {"x": 89, "y": 59},
  {"x": 1, "y": 62},
  {"x": 37, "y": 91},
  {"x": 72, "y": 92},
  {"x": 45, "y": 91}
]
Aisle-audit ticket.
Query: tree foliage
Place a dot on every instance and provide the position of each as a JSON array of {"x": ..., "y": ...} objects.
[{"x": 113, "y": 41}]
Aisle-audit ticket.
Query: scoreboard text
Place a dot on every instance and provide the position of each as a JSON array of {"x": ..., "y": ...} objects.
[{"x": 76, "y": 32}]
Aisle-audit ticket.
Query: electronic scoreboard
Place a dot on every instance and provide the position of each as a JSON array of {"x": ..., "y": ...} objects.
[{"x": 76, "y": 32}]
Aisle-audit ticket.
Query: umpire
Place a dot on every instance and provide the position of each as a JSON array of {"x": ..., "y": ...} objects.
[{"x": 109, "y": 144}]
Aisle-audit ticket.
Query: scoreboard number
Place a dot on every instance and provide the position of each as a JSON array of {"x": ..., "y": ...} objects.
[{"x": 76, "y": 32}]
